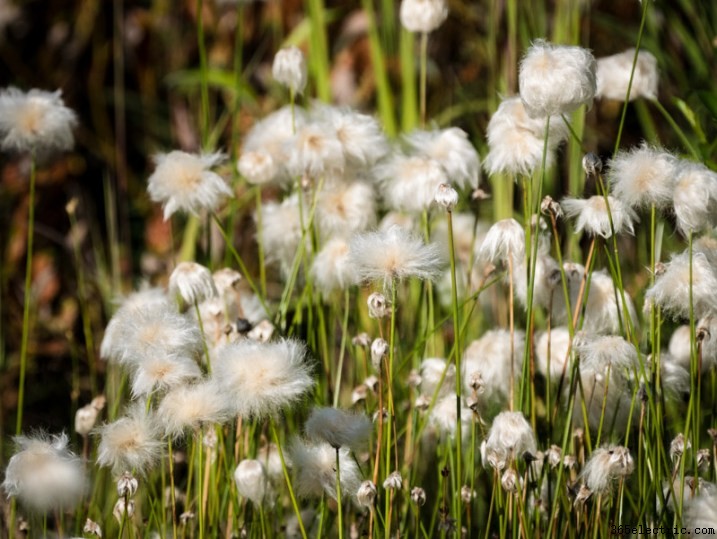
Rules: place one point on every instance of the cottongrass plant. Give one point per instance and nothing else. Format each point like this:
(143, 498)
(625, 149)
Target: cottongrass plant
(259, 405)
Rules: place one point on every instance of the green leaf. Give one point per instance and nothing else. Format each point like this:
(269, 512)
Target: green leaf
(691, 117)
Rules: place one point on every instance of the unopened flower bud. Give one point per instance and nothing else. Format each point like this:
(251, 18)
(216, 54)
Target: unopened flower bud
(210, 438)
(92, 528)
(423, 402)
(551, 207)
(359, 394)
(678, 446)
(362, 339)
(262, 332)
(467, 494)
(127, 485)
(378, 306)
(366, 495)
(509, 481)
(85, 419)
(418, 496)
(582, 495)
(393, 482)
(371, 382)
(703, 459)
(555, 455)
(121, 509)
(592, 164)
(289, 69)
(446, 196)
(379, 348)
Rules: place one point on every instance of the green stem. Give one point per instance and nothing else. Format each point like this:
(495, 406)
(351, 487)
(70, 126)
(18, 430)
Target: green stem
(422, 81)
(338, 495)
(204, 86)
(294, 504)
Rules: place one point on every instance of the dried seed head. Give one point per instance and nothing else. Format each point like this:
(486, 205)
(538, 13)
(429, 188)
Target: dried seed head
(362, 339)
(550, 207)
(379, 348)
(366, 495)
(554, 455)
(378, 306)
(678, 446)
(467, 494)
(509, 480)
(423, 403)
(262, 332)
(92, 528)
(121, 509)
(85, 419)
(703, 459)
(127, 485)
(418, 496)
(583, 494)
(446, 196)
(359, 393)
(592, 165)
(393, 482)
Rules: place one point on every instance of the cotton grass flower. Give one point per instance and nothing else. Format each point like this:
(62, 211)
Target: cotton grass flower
(289, 69)
(516, 141)
(452, 150)
(345, 208)
(510, 436)
(600, 351)
(258, 167)
(604, 309)
(251, 480)
(701, 513)
(593, 215)
(490, 356)
(695, 197)
(35, 121)
(671, 291)
(260, 379)
(422, 15)
(613, 76)
(190, 407)
(314, 470)
(360, 135)
(443, 417)
(393, 255)
(643, 176)
(556, 79)
(315, 150)
(339, 428)
(504, 241)
(332, 268)
(132, 442)
(162, 372)
(437, 373)
(184, 182)
(551, 352)
(44, 475)
(606, 465)
(409, 183)
(192, 282)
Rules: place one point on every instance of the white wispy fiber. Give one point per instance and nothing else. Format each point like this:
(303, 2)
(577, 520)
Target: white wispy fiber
(315, 150)
(141, 333)
(339, 428)
(345, 208)
(708, 328)
(251, 480)
(280, 231)
(35, 121)
(184, 182)
(671, 291)
(613, 76)
(592, 215)
(695, 197)
(504, 240)
(422, 15)
(606, 465)
(112, 346)
(701, 513)
(607, 398)
(547, 280)
(692, 489)
(452, 150)
(551, 352)
(510, 436)
(643, 176)
(604, 309)
(444, 417)
(162, 372)
(489, 356)
(680, 347)
(192, 282)
(556, 79)
(393, 255)
(132, 442)
(332, 268)
(674, 375)
(409, 183)
(260, 379)
(598, 352)
(707, 245)
(516, 141)
(435, 372)
(44, 475)
(360, 135)
(190, 407)
(314, 467)
(289, 69)
(264, 152)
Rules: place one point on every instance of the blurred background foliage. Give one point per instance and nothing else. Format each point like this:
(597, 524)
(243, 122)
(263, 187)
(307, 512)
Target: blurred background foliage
(130, 69)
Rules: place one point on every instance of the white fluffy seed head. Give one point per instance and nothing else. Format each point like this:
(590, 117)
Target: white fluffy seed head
(36, 120)
(446, 197)
(190, 407)
(423, 15)
(289, 69)
(695, 197)
(671, 291)
(551, 352)
(701, 512)
(490, 357)
(510, 436)
(258, 167)
(251, 480)
(556, 79)
(393, 255)
(366, 494)
(132, 442)
(598, 352)
(192, 282)
(343, 209)
(314, 468)
(315, 150)
(85, 419)
(505, 240)
(163, 372)
(516, 141)
(606, 465)
(44, 475)
(339, 428)
(409, 183)
(613, 76)
(280, 231)
(452, 150)
(331, 268)
(184, 182)
(260, 379)
(592, 215)
(643, 176)
(437, 372)
(444, 417)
